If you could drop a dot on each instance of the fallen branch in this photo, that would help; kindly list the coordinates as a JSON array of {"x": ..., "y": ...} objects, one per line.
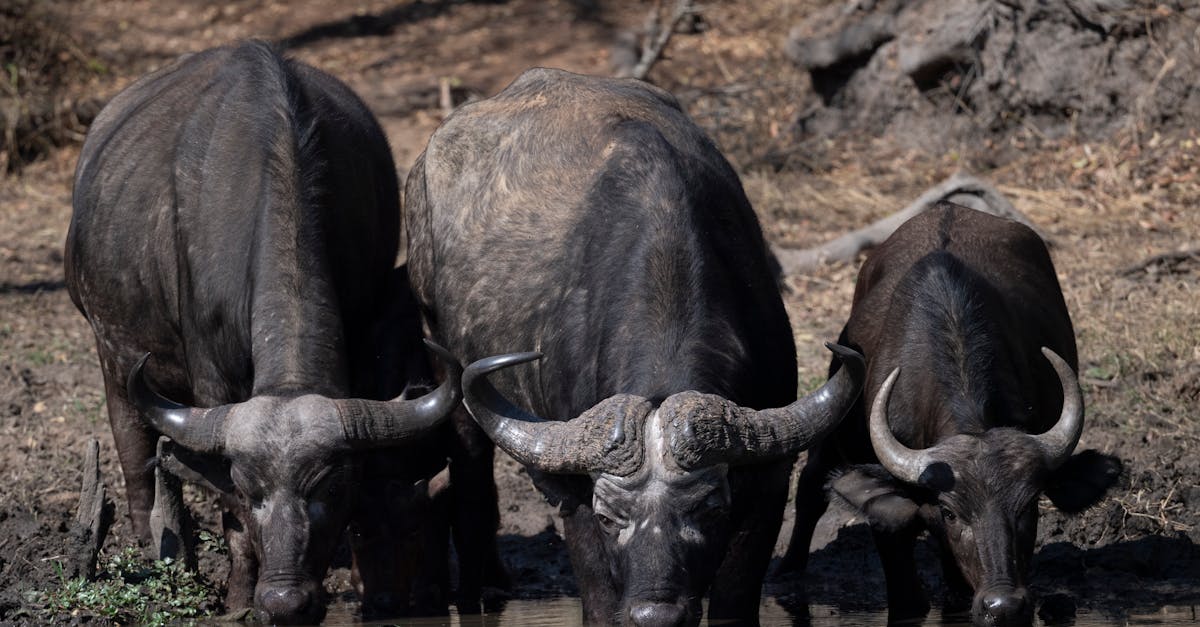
[
  {"x": 1164, "y": 263},
  {"x": 95, "y": 512},
  {"x": 961, "y": 189},
  {"x": 657, "y": 36}
]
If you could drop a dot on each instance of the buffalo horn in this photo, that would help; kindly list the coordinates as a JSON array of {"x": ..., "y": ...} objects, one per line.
[
  {"x": 1058, "y": 443},
  {"x": 709, "y": 429},
  {"x": 904, "y": 463},
  {"x": 367, "y": 424},
  {"x": 595, "y": 441},
  {"x": 196, "y": 429}
]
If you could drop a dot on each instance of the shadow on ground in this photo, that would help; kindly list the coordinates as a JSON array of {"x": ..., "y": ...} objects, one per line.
[
  {"x": 1114, "y": 581},
  {"x": 379, "y": 24}
]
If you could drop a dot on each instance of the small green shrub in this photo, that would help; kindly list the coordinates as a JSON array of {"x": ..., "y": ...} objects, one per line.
[{"x": 129, "y": 590}]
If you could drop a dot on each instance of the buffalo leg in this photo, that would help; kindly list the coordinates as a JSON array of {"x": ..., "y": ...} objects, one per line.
[
  {"x": 476, "y": 512},
  {"x": 737, "y": 589},
  {"x": 399, "y": 543},
  {"x": 243, "y": 563},
  {"x": 906, "y": 597},
  {"x": 811, "y": 503},
  {"x": 376, "y": 554},
  {"x": 431, "y": 581},
  {"x": 135, "y": 444}
]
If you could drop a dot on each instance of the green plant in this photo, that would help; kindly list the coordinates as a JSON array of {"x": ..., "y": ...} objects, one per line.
[
  {"x": 93, "y": 410},
  {"x": 131, "y": 590},
  {"x": 40, "y": 357},
  {"x": 212, "y": 543}
]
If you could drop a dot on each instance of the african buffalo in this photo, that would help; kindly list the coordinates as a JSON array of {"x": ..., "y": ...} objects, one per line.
[
  {"x": 236, "y": 216},
  {"x": 975, "y": 410},
  {"x": 590, "y": 219}
]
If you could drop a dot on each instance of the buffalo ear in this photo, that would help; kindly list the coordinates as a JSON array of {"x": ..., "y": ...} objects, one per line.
[
  {"x": 210, "y": 471},
  {"x": 877, "y": 494},
  {"x": 1082, "y": 481}
]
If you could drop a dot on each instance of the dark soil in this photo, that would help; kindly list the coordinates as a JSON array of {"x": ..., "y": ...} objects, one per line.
[{"x": 1110, "y": 197}]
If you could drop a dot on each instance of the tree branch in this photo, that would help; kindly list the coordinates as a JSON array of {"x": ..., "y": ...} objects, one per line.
[
  {"x": 961, "y": 189},
  {"x": 657, "y": 36},
  {"x": 1164, "y": 263}
]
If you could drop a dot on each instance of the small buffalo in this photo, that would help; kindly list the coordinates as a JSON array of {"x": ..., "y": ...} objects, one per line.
[
  {"x": 236, "y": 215},
  {"x": 590, "y": 219},
  {"x": 971, "y": 411}
]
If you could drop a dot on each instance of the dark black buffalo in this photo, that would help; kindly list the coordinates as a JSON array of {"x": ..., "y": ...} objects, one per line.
[
  {"x": 591, "y": 220},
  {"x": 236, "y": 217},
  {"x": 974, "y": 411}
]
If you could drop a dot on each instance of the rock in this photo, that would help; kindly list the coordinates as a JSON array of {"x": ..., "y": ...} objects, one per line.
[{"x": 935, "y": 73}]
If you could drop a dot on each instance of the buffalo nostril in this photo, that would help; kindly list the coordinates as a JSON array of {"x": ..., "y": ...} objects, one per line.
[
  {"x": 1005, "y": 608},
  {"x": 284, "y": 605},
  {"x": 657, "y": 614}
]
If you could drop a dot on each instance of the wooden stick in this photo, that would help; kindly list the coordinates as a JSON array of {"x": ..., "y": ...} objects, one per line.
[{"x": 95, "y": 512}]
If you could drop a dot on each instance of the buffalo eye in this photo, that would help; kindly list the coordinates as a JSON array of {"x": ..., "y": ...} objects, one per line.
[
  {"x": 712, "y": 511},
  {"x": 609, "y": 524},
  {"x": 316, "y": 511},
  {"x": 948, "y": 515}
]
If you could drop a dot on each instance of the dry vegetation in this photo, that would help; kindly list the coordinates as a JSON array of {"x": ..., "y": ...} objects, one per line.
[{"x": 1109, "y": 203}]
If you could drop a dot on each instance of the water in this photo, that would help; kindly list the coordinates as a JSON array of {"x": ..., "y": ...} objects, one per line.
[{"x": 565, "y": 611}]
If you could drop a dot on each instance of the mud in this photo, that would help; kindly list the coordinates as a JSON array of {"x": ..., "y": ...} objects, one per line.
[{"x": 1109, "y": 199}]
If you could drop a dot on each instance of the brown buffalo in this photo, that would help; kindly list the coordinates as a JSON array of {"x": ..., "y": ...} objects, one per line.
[{"x": 971, "y": 410}]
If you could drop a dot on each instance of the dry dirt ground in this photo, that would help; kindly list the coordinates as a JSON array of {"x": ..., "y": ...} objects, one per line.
[{"x": 1107, "y": 203}]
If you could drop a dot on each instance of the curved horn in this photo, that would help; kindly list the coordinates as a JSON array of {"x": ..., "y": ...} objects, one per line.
[
  {"x": 904, "y": 463},
  {"x": 199, "y": 430},
  {"x": 709, "y": 430},
  {"x": 388, "y": 423},
  {"x": 1058, "y": 443},
  {"x": 594, "y": 441}
]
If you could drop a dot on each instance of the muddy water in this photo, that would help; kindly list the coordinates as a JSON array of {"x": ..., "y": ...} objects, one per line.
[{"x": 566, "y": 611}]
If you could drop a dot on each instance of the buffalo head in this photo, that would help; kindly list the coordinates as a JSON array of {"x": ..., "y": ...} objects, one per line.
[
  {"x": 980, "y": 493},
  {"x": 660, "y": 485},
  {"x": 289, "y": 464}
]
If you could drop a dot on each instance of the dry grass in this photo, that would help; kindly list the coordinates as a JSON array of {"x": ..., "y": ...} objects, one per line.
[
  {"x": 1107, "y": 204},
  {"x": 44, "y": 67}
]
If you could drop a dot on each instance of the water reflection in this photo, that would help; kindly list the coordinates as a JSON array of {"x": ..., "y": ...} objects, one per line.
[{"x": 566, "y": 611}]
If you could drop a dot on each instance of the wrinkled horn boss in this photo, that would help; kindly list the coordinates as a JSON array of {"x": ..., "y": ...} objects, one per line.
[
  {"x": 708, "y": 429},
  {"x": 705, "y": 429},
  {"x": 603, "y": 438}
]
